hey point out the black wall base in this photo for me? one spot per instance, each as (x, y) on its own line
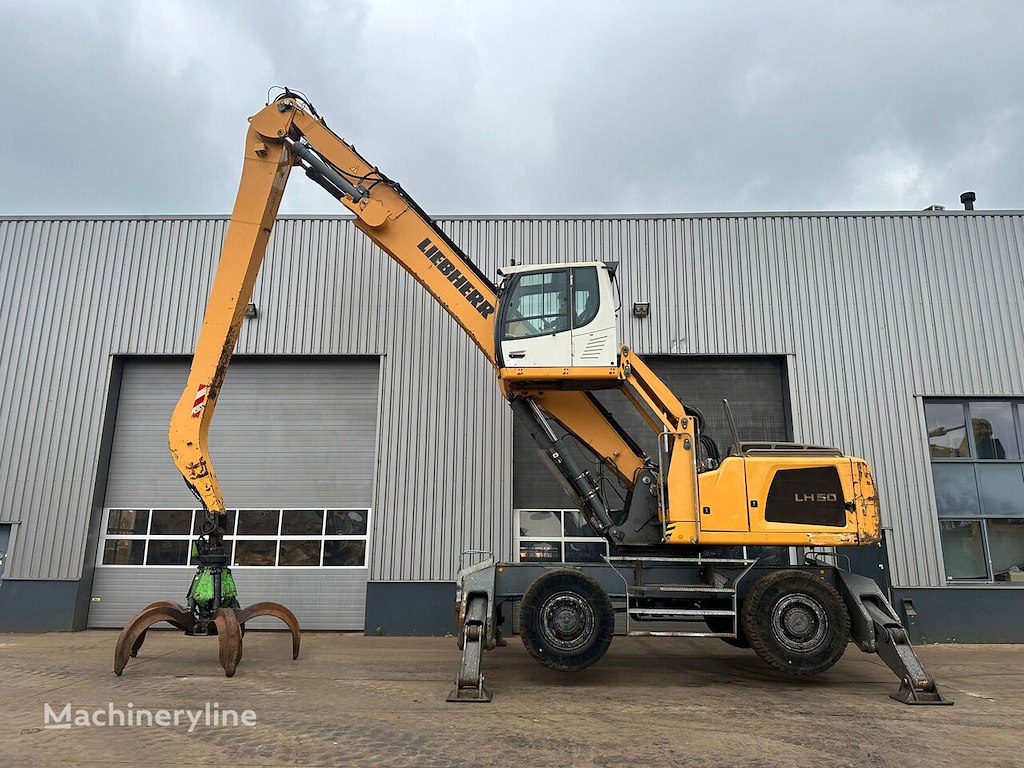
(962, 614)
(40, 606)
(410, 608)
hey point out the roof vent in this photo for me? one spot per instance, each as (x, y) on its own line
(968, 198)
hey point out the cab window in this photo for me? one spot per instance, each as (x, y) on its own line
(585, 295)
(538, 305)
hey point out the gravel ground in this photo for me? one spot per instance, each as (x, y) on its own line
(351, 700)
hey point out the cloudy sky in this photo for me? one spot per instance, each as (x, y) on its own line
(522, 107)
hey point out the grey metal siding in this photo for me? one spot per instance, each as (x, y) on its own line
(874, 310)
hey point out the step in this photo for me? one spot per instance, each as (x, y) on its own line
(681, 588)
(669, 613)
(658, 633)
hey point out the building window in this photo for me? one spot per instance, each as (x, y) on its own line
(262, 538)
(976, 449)
(557, 536)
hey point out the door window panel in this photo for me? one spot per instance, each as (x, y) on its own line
(585, 296)
(538, 305)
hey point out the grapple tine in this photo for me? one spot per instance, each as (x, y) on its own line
(134, 632)
(229, 637)
(277, 611)
(142, 637)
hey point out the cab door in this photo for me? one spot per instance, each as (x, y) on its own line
(594, 331)
(535, 330)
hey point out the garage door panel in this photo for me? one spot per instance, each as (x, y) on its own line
(286, 433)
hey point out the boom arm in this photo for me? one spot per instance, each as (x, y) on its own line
(284, 134)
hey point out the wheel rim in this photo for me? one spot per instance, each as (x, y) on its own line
(799, 622)
(567, 621)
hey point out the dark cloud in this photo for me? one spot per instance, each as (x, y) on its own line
(528, 107)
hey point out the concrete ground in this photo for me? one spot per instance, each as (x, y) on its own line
(361, 701)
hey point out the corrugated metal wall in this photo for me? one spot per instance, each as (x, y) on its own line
(872, 310)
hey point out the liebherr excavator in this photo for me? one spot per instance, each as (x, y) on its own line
(551, 334)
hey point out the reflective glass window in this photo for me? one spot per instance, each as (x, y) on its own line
(258, 522)
(947, 430)
(258, 552)
(585, 551)
(1002, 490)
(956, 490)
(124, 551)
(302, 522)
(995, 436)
(963, 550)
(1006, 546)
(203, 518)
(540, 523)
(299, 552)
(171, 522)
(345, 553)
(128, 522)
(540, 551)
(168, 552)
(346, 522)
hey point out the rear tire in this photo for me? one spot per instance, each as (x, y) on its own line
(796, 623)
(566, 620)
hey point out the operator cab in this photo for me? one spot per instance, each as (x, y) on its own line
(557, 326)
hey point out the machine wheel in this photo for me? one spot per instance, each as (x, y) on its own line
(566, 620)
(724, 624)
(796, 623)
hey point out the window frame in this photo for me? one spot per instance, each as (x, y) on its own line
(1016, 404)
(562, 539)
(232, 537)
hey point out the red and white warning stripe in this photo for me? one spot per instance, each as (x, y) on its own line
(197, 406)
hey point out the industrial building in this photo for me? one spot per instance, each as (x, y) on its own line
(363, 445)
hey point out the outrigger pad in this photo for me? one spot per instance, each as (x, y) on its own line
(907, 694)
(470, 695)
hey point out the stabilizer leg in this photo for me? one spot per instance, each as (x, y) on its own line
(876, 628)
(469, 686)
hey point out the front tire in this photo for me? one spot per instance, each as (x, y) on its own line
(566, 620)
(796, 623)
